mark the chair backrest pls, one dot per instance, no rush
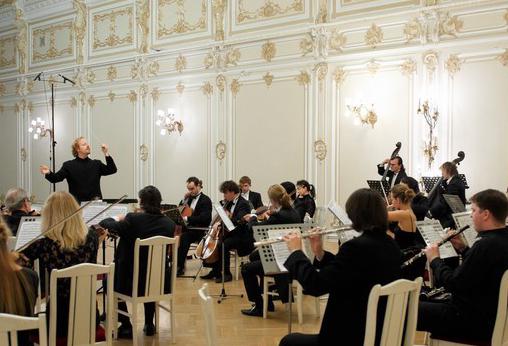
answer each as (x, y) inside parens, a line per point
(400, 315)
(82, 303)
(155, 265)
(500, 334)
(209, 315)
(11, 324)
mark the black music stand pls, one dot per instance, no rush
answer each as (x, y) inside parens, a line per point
(380, 186)
(429, 183)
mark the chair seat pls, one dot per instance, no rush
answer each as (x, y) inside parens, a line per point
(460, 340)
(100, 335)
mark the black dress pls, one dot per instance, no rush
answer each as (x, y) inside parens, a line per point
(305, 204)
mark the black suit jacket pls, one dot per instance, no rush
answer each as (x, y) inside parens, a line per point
(303, 205)
(255, 199)
(14, 219)
(390, 174)
(202, 213)
(242, 208)
(439, 208)
(282, 217)
(135, 225)
(373, 258)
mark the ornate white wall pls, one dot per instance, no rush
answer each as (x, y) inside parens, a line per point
(260, 85)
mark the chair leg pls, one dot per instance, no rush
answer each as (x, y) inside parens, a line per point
(134, 323)
(236, 266)
(265, 297)
(318, 306)
(115, 318)
(299, 303)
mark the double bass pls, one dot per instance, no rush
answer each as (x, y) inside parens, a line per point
(395, 152)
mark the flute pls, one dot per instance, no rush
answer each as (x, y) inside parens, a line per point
(443, 241)
(306, 235)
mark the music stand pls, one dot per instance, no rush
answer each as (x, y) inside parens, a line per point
(380, 186)
(268, 257)
(174, 213)
(429, 183)
(464, 180)
(455, 203)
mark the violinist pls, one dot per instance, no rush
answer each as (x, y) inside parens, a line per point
(304, 202)
(201, 207)
(396, 170)
(451, 184)
(253, 197)
(240, 238)
(18, 204)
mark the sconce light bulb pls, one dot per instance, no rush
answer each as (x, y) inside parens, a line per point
(33, 123)
(36, 136)
(163, 132)
(30, 130)
(158, 123)
(38, 130)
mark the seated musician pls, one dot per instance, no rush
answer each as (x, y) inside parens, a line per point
(18, 204)
(201, 207)
(451, 185)
(420, 203)
(281, 213)
(370, 259)
(474, 285)
(304, 202)
(240, 238)
(66, 245)
(148, 223)
(253, 197)
(396, 170)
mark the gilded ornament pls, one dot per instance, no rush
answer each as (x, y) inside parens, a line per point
(181, 63)
(111, 96)
(408, 67)
(373, 67)
(207, 88)
(220, 81)
(321, 70)
(2, 89)
(235, 87)
(30, 107)
(153, 68)
(268, 9)
(74, 102)
(452, 65)
(374, 36)
(322, 16)
(143, 90)
(413, 29)
(82, 97)
(339, 75)
(22, 154)
(180, 88)
(450, 26)
(218, 7)
(320, 149)
(155, 94)
(306, 45)
(430, 60)
(2, 108)
(142, 19)
(136, 70)
(268, 78)
(303, 78)
(53, 51)
(91, 101)
(90, 77)
(232, 57)
(132, 96)
(209, 60)
(112, 73)
(268, 51)
(79, 28)
(21, 40)
(503, 58)
(113, 40)
(220, 150)
(143, 152)
(337, 40)
(182, 25)
(6, 62)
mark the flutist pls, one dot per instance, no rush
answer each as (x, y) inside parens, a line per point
(474, 285)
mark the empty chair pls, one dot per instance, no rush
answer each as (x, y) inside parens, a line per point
(11, 324)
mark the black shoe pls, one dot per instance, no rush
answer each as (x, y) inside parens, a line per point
(180, 272)
(227, 278)
(210, 276)
(125, 331)
(271, 307)
(253, 311)
(149, 329)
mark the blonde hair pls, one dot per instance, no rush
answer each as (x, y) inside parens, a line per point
(13, 282)
(70, 234)
(278, 193)
(75, 146)
(403, 193)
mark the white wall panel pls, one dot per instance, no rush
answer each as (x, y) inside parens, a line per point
(9, 153)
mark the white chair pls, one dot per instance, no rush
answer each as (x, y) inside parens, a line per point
(401, 312)
(238, 260)
(11, 324)
(155, 278)
(500, 333)
(209, 315)
(82, 303)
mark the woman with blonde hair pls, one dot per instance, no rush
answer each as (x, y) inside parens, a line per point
(405, 229)
(18, 286)
(67, 244)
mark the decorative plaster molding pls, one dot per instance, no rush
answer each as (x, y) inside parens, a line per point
(408, 67)
(374, 36)
(268, 51)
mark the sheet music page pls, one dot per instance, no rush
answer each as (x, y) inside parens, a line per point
(92, 210)
(454, 203)
(225, 219)
(463, 219)
(432, 232)
(339, 213)
(280, 250)
(29, 229)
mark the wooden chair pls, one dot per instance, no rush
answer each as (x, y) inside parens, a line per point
(11, 324)
(209, 315)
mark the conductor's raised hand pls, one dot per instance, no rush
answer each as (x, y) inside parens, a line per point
(44, 169)
(293, 241)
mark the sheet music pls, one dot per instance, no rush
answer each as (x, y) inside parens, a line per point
(29, 229)
(280, 250)
(463, 219)
(225, 219)
(93, 209)
(339, 213)
(455, 203)
(432, 232)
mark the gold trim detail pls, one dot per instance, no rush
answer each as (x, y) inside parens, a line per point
(74, 102)
(303, 78)
(337, 40)
(321, 70)
(374, 36)
(322, 16)
(143, 90)
(450, 26)
(90, 77)
(112, 40)
(413, 29)
(2, 89)
(181, 63)
(503, 58)
(153, 68)
(180, 88)
(268, 10)
(21, 40)
(430, 60)
(268, 78)
(6, 62)
(111, 96)
(373, 67)
(79, 28)
(220, 81)
(235, 87)
(220, 150)
(132, 96)
(143, 152)
(452, 65)
(218, 8)
(408, 67)
(91, 101)
(339, 76)
(22, 154)
(320, 149)
(207, 88)
(112, 73)
(232, 57)
(268, 51)
(155, 94)
(306, 44)
(182, 25)
(53, 52)
(142, 20)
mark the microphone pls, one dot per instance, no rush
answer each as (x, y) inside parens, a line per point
(65, 79)
(38, 77)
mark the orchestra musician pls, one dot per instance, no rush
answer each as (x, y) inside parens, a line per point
(201, 207)
(370, 259)
(281, 212)
(18, 204)
(450, 185)
(474, 285)
(304, 202)
(253, 197)
(83, 174)
(148, 222)
(420, 203)
(396, 170)
(240, 238)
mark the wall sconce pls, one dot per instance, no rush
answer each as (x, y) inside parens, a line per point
(362, 113)
(430, 144)
(38, 128)
(168, 123)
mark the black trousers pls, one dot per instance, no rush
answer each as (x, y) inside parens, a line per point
(299, 339)
(243, 244)
(149, 313)
(186, 239)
